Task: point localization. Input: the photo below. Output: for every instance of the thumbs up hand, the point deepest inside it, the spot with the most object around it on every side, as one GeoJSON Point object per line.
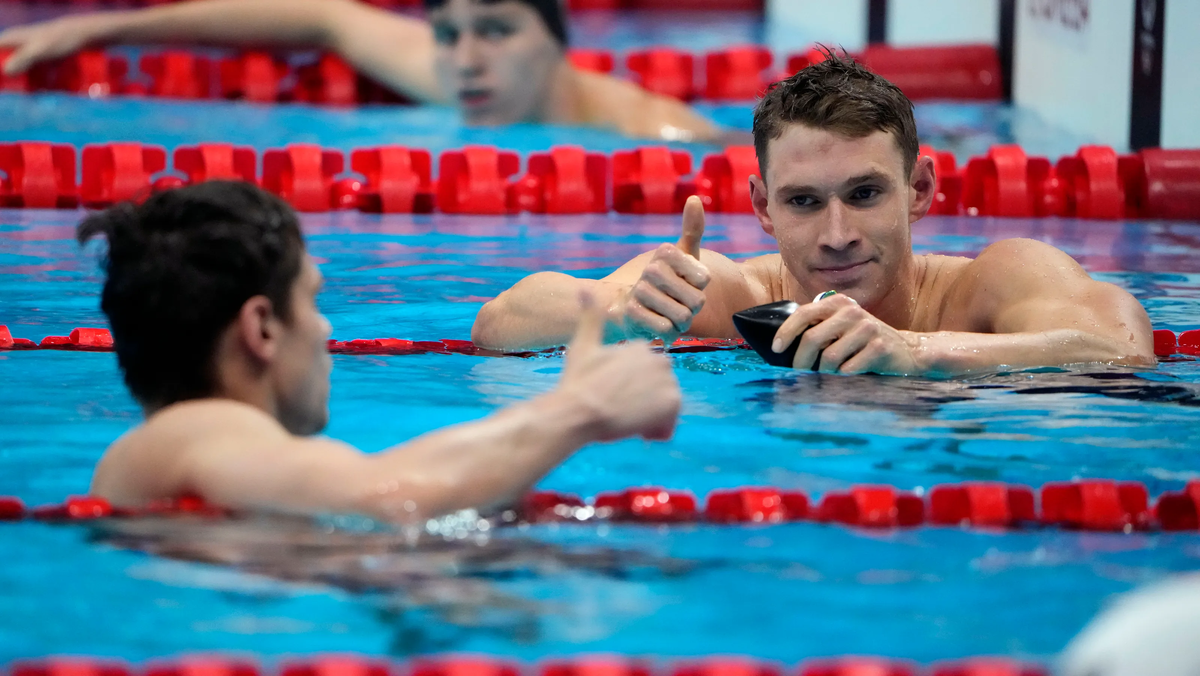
{"type": "Point", "coordinates": [670, 292]}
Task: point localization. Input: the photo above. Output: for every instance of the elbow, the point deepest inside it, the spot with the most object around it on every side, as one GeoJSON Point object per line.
{"type": "Point", "coordinates": [485, 332]}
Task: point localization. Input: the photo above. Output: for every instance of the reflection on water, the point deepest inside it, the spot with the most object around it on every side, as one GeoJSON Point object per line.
{"type": "Point", "coordinates": [428, 588]}
{"type": "Point", "coordinates": [920, 398]}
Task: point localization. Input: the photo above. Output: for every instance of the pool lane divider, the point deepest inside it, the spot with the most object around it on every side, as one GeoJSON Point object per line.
{"type": "Point", "coordinates": [469, 665]}
{"type": "Point", "coordinates": [1167, 345]}
{"type": "Point", "coordinates": [1099, 505]}
{"type": "Point", "coordinates": [1095, 183]}
{"type": "Point", "coordinates": [740, 73]}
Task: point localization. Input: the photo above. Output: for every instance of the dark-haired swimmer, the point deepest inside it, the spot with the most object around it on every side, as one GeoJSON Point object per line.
{"type": "Point", "coordinates": [842, 185]}
{"type": "Point", "coordinates": [501, 61]}
{"type": "Point", "coordinates": [212, 302]}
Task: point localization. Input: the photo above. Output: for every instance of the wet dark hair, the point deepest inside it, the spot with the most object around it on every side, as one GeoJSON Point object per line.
{"type": "Point", "coordinates": [841, 96]}
{"type": "Point", "coordinates": [552, 12]}
{"type": "Point", "coordinates": [179, 268]}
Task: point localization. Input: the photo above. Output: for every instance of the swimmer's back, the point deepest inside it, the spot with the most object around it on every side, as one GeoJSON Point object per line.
{"type": "Point", "coordinates": [157, 460]}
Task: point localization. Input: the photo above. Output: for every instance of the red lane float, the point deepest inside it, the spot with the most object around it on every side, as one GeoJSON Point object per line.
{"type": "Point", "coordinates": [216, 161]}
{"type": "Point", "coordinates": [981, 504]}
{"type": "Point", "coordinates": [646, 504]}
{"type": "Point", "coordinates": [723, 183]}
{"type": "Point", "coordinates": [178, 74]}
{"type": "Point", "coordinates": [38, 176]}
{"type": "Point", "coordinates": [85, 339]}
{"type": "Point", "coordinates": [338, 665]}
{"type": "Point", "coordinates": [1088, 505]}
{"type": "Point", "coordinates": [650, 180]}
{"type": "Point", "coordinates": [859, 666]}
{"type": "Point", "coordinates": [756, 505]}
{"type": "Point", "coordinates": [1095, 504]}
{"type": "Point", "coordinates": [566, 180]}
{"type": "Point", "coordinates": [116, 172]}
{"type": "Point", "coordinates": [1094, 183]}
{"type": "Point", "coordinates": [92, 73]}
{"type": "Point", "coordinates": [871, 507]}
{"type": "Point", "coordinates": [586, 665]}
{"type": "Point", "coordinates": [958, 72]}
{"type": "Point", "coordinates": [1162, 183]}
{"type": "Point", "coordinates": [595, 60]}
{"type": "Point", "coordinates": [665, 71]}
{"type": "Point", "coordinates": [988, 666]}
{"type": "Point", "coordinates": [737, 73]}
{"type": "Point", "coordinates": [203, 665]}
{"type": "Point", "coordinates": [255, 76]}
{"type": "Point", "coordinates": [947, 197]}
{"type": "Point", "coordinates": [474, 180]}
{"type": "Point", "coordinates": [329, 81]}
{"type": "Point", "coordinates": [303, 175]}
{"type": "Point", "coordinates": [399, 180]}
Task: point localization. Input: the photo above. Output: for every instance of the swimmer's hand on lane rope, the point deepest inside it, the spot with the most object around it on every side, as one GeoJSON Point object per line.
{"type": "Point", "coordinates": [631, 390]}
{"type": "Point", "coordinates": [665, 300]}
{"type": "Point", "coordinates": [838, 336]}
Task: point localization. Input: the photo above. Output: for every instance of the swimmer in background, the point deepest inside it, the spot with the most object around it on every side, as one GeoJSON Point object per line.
{"type": "Point", "coordinates": [212, 302]}
{"type": "Point", "coordinates": [500, 61]}
{"type": "Point", "coordinates": [841, 186]}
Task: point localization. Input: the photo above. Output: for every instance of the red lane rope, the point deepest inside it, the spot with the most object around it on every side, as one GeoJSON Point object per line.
{"type": "Point", "coordinates": [1102, 505]}
{"type": "Point", "coordinates": [1095, 183]}
{"type": "Point", "coordinates": [739, 73]}
{"type": "Point", "coordinates": [1167, 344]}
{"type": "Point", "coordinates": [351, 665]}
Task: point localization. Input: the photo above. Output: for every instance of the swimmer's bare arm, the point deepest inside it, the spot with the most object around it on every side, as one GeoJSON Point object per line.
{"type": "Point", "coordinates": [626, 107]}
{"type": "Point", "coordinates": [235, 455]}
{"type": "Point", "coordinates": [675, 289]}
{"type": "Point", "coordinates": [1021, 303]}
{"type": "Point", "coordinates": [391, 48]}
{"type": "Point", "coordinates": [1033, 305]}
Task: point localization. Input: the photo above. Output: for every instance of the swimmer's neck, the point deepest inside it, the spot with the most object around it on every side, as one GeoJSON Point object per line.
{"type": "Point", "coordinates": [897, 308]}
{"type": "Point", "coordinates": [561, 102]}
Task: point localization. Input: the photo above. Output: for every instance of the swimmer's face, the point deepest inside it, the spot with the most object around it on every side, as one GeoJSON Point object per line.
{"type": "Point", "coordinates": [495, 59]}
{"type": "Point", "coordinates": [841, 210]}
{"type": "Point", "coordinates": [300, 370]}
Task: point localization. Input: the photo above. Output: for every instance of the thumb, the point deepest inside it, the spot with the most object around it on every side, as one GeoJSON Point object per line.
{"type": "Point", "coordinates": [589, 331]}
{"type": "Point", "coordinates": [17, 62]}
{"type": "Point", "coordinates": [693, 227]}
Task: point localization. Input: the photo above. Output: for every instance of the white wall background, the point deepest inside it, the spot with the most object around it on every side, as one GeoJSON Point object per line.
{"type": "Point", "coordinates": [1078, 78]}
{"type": "Point", "coordinates": [924, 22]}
{"type": "Point", "coordinates": [793, 25]}
{"type": "Point", "coordinates": [1181, 75]}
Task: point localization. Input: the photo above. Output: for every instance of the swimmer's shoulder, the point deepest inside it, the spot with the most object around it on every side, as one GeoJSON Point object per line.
{"type": "Point", "coordinates": [967, 290]}
{"type": "Point", "coordinates": [151, 461]}
{"type": "Point", "coordinates": [621, 105]}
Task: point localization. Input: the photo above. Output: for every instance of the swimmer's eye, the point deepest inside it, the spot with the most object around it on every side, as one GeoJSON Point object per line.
{"type": "Point", "coordinates": [803, 201]}
{"type": "Point", "coordinates": [445, 35]}
{"type": "Point", "coordinates": [494, 30]}
{"type": "Point", "coordinates": [865, 193]}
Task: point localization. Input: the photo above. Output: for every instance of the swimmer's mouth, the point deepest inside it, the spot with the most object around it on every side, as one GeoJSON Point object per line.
{"type": "Point", "coordinates": [473, 98]}
{"type": "Point", "coordinates": [843, 268]}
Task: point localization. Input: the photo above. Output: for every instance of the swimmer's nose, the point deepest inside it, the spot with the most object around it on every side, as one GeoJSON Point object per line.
{"type": "Point", "coordinates": [468, 58]}
{"type": "Point", "coordinates": [839, 232]}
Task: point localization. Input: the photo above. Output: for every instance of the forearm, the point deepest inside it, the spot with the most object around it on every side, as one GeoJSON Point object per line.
{"type": "Point", "coordinates": [291, 23]}
{"type": "Point", "coordinates": [482, 465]}
{"type": "Point", "coordinates": [953, 353]}
{"type": "Point", "coordinates": [540, 311]}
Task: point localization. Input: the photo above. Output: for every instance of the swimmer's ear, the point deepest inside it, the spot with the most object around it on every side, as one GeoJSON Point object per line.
{"type": "Point", "coordinates": [758, 200]}
{"type": "Point", "coordinates": [256, 327]}
{"type": "Point", "coordinates": [923, 185]}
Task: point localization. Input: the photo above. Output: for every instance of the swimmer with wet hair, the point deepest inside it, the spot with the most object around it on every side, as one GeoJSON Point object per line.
{"type": "Point", "coordinates": [842, 183]}
{"type": "Point", "coordinates": [500, 61]}
{"type": "Point", "coordinates": [212, 302]}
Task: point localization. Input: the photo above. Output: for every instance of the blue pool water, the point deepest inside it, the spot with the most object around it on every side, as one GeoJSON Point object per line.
{"type": "Point", "coordinates": [783, 592]}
